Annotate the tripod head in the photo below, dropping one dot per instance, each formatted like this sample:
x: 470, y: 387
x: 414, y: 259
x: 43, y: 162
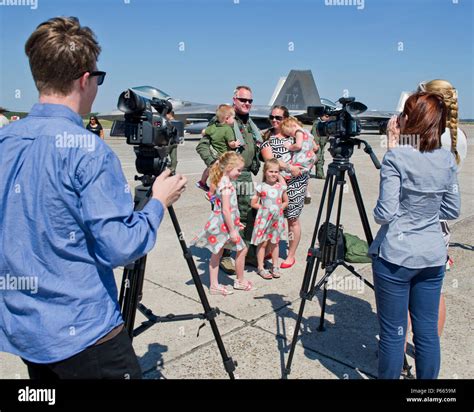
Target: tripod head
x: 342, y: 149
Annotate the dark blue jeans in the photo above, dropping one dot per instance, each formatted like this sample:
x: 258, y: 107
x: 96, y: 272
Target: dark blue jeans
x: 397, y: 290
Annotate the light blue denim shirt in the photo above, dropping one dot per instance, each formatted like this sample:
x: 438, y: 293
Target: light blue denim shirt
x: 416, y: 191
x: 66, y: 219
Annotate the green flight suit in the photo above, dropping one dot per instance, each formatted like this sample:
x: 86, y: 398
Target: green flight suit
x: 321, y: 141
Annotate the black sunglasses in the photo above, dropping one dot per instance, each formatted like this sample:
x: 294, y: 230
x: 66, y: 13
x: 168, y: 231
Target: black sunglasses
x: 99, y: 74
x: 241, y: 99
x: 279, y: 118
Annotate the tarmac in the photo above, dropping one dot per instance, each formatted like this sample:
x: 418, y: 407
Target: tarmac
x: 257, y: 326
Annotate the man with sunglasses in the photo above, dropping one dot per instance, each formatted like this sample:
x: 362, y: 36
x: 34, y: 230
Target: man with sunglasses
x: 67, y: 220
x: 248, y: 134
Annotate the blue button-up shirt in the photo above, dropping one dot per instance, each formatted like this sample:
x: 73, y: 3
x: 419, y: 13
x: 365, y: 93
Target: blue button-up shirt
x: 416, y: 191
x: 66, y: 219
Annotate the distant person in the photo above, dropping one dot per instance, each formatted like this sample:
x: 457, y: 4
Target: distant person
x: 95, y: 127
x: 3, y: 119
x: 275, y: 147
x: 222, y: 139
x: 270, y: 200
x: 321, y: 141
x: 303, y: 149
x: 224, y: 224
x: 174, y: 147
x: 418, y: 186
x: 67, y: 220
x: 249, y: 136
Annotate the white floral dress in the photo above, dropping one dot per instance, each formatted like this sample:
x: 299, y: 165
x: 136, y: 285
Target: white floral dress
x: 270, y: 220
x: 215, y: 234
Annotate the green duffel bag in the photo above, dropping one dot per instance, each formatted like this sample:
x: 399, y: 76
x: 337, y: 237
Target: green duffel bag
x: 356, y: 249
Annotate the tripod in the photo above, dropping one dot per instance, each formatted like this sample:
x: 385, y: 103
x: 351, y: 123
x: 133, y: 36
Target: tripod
x: 324, y: 254
x: 131, y: 291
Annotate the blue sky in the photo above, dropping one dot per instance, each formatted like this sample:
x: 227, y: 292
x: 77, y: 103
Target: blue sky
x: 230, y: 42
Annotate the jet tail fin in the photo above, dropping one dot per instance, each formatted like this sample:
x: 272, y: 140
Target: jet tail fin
x: 296, y: 91
x: 401, y: 102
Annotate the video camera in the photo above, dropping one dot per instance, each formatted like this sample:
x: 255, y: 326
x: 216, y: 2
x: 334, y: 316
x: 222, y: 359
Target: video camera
x: 151, y: 134
x: 345, y: 125
x: 343, y: 129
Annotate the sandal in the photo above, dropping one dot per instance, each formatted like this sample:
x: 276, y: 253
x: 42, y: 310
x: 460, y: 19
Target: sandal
x: 276, y: 272
x: 220, y: 290
x: 264, y: 274
x: 247, y: 286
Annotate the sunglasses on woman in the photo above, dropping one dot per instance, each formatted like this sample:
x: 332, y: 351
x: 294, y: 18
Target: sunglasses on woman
x: 278, y: 118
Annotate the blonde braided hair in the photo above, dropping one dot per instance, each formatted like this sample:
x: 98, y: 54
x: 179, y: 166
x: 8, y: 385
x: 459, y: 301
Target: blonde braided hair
x: 226, y: 162
x: 450, y: 97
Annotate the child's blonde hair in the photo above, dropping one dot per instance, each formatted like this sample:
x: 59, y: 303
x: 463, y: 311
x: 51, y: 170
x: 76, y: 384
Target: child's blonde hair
x: 269, y: 163
x: 227, y: 161
x: 223, y: 111
x: 288, y: 123
x: 450, y: 97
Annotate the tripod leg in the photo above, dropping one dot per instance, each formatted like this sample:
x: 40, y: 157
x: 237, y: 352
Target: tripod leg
x: 333, y: 258
x: 131, y: 293
x: 310, y: 275
x: 209, y: 312
x: 327, y: 184
x: 321, y: 327
x: 309, y: 281
x: 339, y: 211
x: 360, y: 206
x: 131, y: 290
x: 362, y: 214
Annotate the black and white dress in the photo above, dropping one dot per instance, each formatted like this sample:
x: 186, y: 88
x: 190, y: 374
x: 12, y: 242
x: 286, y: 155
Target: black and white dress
x: 296, y: 185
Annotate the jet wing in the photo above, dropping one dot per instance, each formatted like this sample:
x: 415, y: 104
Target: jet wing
x: 375, y: 120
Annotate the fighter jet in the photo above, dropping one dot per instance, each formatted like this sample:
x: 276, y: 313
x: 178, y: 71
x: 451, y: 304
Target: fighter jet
x: 296, y: 91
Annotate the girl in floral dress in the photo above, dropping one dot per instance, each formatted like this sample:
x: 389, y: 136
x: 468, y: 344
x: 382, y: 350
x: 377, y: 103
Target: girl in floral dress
x: 223, y: 226
x: 270, y: 199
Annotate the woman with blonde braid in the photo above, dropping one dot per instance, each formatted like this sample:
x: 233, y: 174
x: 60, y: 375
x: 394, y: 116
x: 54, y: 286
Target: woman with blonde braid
x: 454, y: 140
